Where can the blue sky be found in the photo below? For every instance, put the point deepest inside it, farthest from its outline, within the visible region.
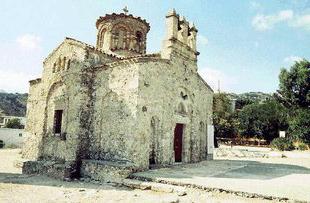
(241, 43)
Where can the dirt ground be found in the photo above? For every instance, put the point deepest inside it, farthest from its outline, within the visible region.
(279, 178)
(15, 187)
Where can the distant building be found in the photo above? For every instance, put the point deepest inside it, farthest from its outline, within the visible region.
(5, 119)
(233, 104)
(12, 136)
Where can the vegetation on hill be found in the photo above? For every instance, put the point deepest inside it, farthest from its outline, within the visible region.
(13, 104)
(257, 115)
(260, 115)
(14, 123)
(262, 120)
(223, 116)
(249, 98)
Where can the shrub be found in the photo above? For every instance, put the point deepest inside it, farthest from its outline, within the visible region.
(299, 125)
(263, 120)
(14, 123)
(301, 146)
(1, 144)
(282, 144)
(11, 146)
(225, 123)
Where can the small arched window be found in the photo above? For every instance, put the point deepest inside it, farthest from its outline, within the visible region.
(102, 35)
(181, 108)
(139, 36)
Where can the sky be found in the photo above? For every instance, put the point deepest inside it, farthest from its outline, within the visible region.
(242, 43)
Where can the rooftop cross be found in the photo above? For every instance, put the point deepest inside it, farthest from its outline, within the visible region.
(125, 10)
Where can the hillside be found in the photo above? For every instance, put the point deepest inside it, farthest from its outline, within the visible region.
(13, 104)
(252, 96)
(249, 98)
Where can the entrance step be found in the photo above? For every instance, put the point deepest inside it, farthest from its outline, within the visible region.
(157, 187)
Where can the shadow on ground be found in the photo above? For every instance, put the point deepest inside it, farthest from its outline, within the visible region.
(10, 172)
(236, 169)
(41, 180)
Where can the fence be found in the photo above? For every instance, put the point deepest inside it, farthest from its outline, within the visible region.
(242, 141)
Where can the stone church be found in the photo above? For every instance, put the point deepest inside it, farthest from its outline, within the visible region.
(113, 109)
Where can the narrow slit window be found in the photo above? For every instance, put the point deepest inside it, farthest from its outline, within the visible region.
(57, 121)
(139, 36)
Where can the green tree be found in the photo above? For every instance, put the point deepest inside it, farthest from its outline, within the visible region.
(14, 123)
(242, 102)
(294, 87)
(299, 125)
(263, 120)
(294, 93)
(223, 118)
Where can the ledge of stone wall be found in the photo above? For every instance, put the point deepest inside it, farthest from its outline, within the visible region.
(63, 171)
(108, 171)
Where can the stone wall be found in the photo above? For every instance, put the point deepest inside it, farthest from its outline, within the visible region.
(114, 118)
(64, 85)
(171, 92)
(112, 171)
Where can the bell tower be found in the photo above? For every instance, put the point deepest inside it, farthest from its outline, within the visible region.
(180, 38)
(122, 34)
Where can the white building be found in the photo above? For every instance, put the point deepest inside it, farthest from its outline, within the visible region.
(5, 119)
(12, 136)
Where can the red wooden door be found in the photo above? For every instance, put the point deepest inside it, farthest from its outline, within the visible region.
(178, 136)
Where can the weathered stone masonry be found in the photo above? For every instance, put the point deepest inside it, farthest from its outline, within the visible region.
(110, 110)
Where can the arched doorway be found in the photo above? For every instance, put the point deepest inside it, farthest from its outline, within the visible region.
(178, 142)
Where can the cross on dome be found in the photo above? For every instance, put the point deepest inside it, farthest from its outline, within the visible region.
(125, 10)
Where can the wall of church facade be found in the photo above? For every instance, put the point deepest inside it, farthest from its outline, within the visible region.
(125, 110)
(171, 92)
(114, 118)
(64, 86)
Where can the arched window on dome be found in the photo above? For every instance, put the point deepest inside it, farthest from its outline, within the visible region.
(139, 38)
(101, 38)
(119, 37)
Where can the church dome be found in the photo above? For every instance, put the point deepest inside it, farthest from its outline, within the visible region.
(122, 34)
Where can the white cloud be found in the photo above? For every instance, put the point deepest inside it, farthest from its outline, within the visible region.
(202, 40)
(20, 61)
(292, 59)
(14, 81)
(213, 76)
(266, 22)
(28, 41)
(302, 21)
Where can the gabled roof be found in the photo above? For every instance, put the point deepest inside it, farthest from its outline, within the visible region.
(204, 82)
(81, 44)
